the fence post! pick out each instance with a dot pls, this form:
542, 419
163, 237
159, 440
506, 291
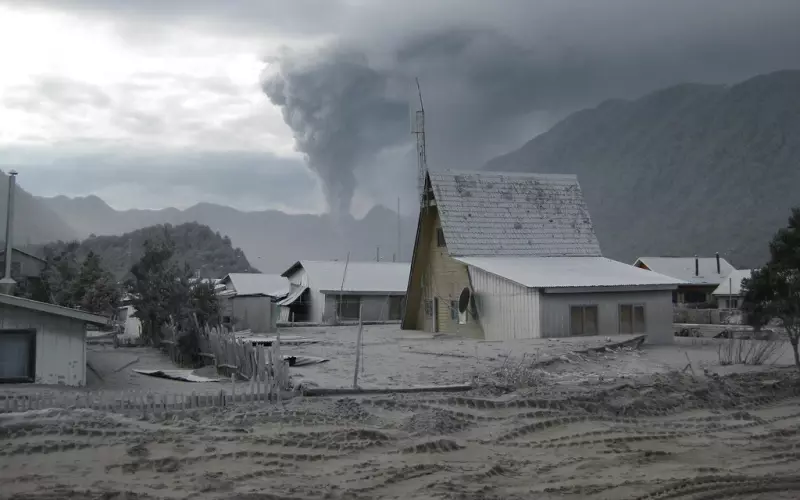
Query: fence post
358, 348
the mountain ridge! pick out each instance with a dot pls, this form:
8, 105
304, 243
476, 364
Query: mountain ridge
684, 170
302, 236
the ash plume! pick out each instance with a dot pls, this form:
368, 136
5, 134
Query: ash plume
342, 113
493, 77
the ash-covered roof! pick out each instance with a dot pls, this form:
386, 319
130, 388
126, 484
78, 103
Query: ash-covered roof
685, 268
248, 284
513, 214
732, 283
361, 277
567, 272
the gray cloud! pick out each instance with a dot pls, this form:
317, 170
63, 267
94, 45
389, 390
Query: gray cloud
236, 178
494, 75
144, 17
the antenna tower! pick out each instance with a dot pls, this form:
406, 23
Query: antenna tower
422, 157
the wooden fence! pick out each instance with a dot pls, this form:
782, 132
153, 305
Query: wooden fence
146, 405
234, 357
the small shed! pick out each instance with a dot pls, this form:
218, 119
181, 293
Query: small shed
514, 256
43, 343
729, 293
247, 300
700, 275
327, 291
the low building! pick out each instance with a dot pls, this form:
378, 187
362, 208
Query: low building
701, 276
729, 293
331, 291
514, 256
43, 343
26, 270
247, 300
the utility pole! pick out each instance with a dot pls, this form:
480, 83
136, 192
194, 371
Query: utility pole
398, 228
422, 154
7, 284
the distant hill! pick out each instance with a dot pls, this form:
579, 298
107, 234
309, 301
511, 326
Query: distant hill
273, 240
204, 250
34, 222
691, 169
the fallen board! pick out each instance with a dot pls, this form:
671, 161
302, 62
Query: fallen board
182, 375
268, 341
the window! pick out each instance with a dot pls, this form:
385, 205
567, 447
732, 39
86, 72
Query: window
631, 319
395, 307
440, 238
349, 307
732, 303
583, 320
428, 307
454, 310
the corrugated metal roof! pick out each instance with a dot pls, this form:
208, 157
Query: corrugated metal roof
558, 272
257, 284
46, 308
732, 283
363, 277
683, 268
512, 214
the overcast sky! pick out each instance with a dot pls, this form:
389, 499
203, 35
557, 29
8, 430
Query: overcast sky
301, 104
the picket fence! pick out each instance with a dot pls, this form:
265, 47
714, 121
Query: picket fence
147, 405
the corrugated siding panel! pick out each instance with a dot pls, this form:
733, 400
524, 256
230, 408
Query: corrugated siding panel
555, 314
494, 214
60, 344
506, 309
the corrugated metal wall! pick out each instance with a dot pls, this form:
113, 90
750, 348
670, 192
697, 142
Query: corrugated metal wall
60, 344
555, 315
506, 310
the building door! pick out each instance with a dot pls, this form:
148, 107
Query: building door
17, 355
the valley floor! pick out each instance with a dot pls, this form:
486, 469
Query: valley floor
662, 435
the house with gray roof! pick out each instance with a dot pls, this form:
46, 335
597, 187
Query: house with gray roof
700, 275
247, 300
341, 290
514, 256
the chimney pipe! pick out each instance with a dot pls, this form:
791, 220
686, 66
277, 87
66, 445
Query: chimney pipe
719, 271
7, 284
696, 266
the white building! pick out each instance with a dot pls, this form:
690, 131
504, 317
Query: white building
729, 293
324, 291
247, 300
514, 256
700, 275
43, 343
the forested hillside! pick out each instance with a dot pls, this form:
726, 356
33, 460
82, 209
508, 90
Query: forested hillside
204, 250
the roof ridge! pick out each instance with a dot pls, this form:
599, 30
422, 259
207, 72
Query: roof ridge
504, 173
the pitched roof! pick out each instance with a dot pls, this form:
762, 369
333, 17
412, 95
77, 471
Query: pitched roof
564, 272
732, 283
361, 277
21, 252
245, 284
513, 214
683, 268
46, 308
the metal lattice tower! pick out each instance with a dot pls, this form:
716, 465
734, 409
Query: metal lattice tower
422, 159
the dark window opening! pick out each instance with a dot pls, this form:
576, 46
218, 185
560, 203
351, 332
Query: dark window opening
583, 320
348, 307
440, 238
631, 319
395, 308
454, 310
